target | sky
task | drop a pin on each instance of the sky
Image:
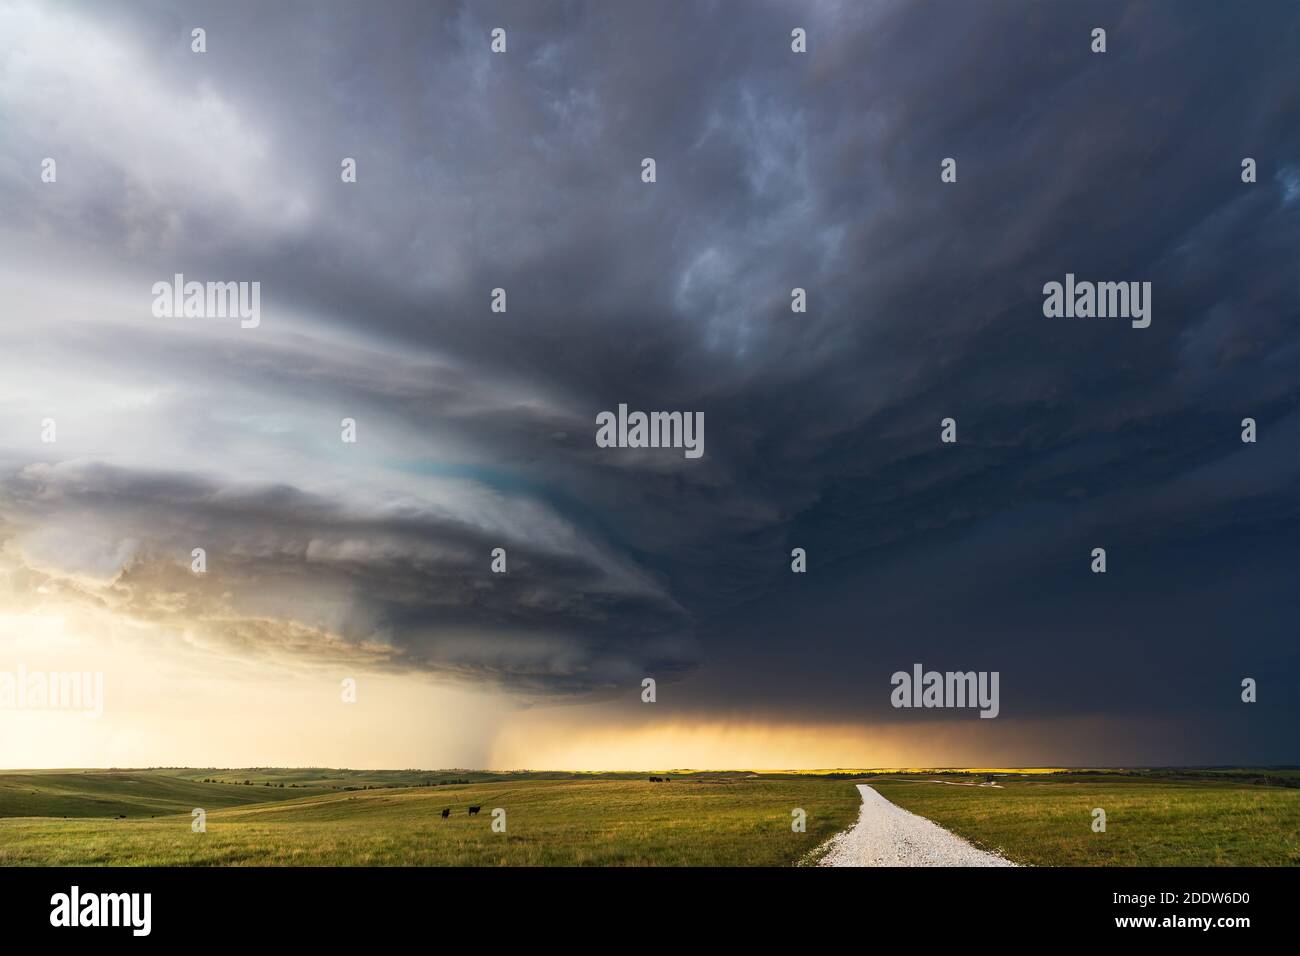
(367, 564)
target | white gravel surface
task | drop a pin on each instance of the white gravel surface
(887, 835)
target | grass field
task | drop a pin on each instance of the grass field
(727, 820)
(339, 817)
(133, 794)
(1047, 821)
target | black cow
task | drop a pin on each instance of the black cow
(446, 813)
(474, 810)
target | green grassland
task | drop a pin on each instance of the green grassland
(316, 816)
(1178, 819)
(695, 820)
(108, 793)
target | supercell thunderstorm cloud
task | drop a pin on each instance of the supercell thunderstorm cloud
(437, 336)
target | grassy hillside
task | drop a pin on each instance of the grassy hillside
(1208, 820)
(698, 821)
(333, 779)
(316, 816)
(107, 793)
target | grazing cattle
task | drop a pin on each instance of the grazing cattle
(474, 810)
(446, 813)
(656, 780)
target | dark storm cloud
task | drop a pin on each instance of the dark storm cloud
(775, 170)
(279, 562)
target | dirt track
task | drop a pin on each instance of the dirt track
(888, 835)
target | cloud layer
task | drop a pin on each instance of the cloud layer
(775, 171)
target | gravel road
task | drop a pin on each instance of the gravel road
(887, 835)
